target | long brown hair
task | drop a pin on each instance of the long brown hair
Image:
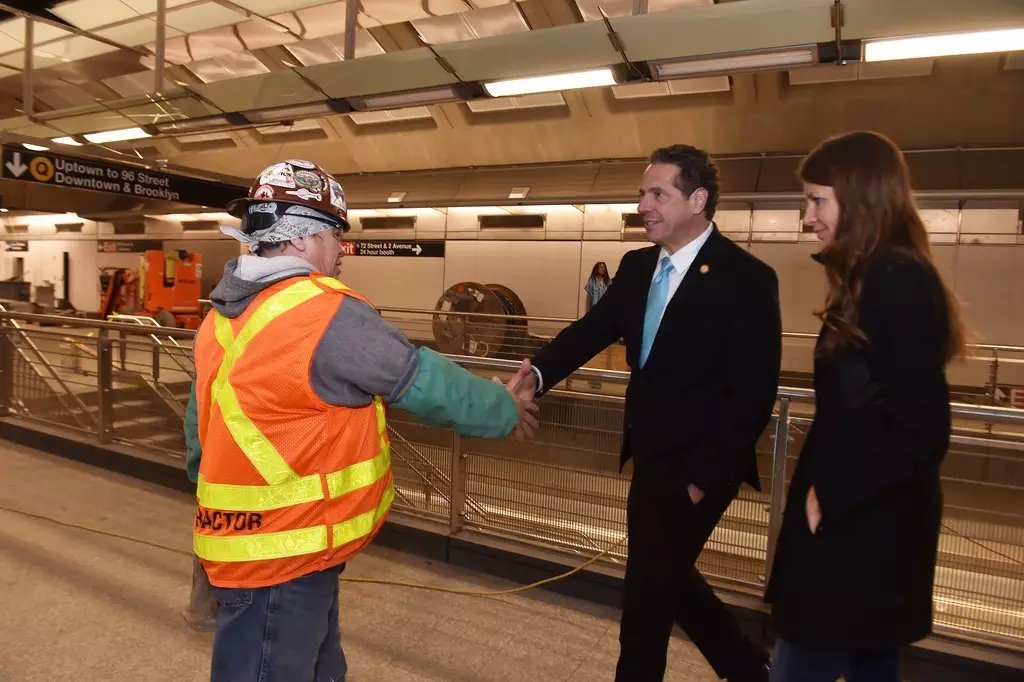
(877, 212)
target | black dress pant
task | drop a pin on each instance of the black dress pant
(666, 535)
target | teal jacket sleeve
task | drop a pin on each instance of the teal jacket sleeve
(444, 394)
(193, 450)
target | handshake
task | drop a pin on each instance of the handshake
(523, 387)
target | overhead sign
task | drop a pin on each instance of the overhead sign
(411, 249)
(101, 176)
(129, 245)
(15, 245)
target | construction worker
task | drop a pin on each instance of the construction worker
(293, 370)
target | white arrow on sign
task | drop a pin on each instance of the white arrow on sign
(16, 167)
(418, 249)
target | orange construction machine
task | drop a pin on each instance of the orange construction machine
(165, 287)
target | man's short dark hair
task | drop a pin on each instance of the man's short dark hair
(696, 169)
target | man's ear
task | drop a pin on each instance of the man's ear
(299, 244)
(699, 199)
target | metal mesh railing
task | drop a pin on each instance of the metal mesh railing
(562, 490)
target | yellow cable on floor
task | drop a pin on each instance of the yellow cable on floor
(373, 581)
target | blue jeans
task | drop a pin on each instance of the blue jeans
(283, 633)
(795, 663)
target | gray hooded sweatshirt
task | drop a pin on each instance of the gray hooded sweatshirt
(361, 355)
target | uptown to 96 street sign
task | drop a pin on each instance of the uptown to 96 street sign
(80, 173)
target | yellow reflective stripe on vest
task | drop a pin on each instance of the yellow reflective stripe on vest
(229, 497)
(362, 525)
(261, 546)
(260, 451)
(359, 475)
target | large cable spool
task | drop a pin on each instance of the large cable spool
(516, 330)
(478, 334)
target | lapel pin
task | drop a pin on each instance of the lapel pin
(704, 269)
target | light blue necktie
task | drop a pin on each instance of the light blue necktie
(655, 304)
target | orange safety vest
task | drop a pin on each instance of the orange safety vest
(288, 484)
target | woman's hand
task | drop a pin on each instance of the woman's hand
(813, 511)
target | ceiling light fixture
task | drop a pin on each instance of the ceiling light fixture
(396, 197)
(518, 192)
(34, 147)
(117, 135)
(412, 98)
(917, 47)
(67, 140)
(298, 111)
(724, 65)
(557, 82)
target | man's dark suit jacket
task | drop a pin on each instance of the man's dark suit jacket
(696, 409)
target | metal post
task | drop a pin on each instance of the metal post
(457, 514)
(161, 39)
(104, 377)
(28, 94)
(6, 371)
(779, 451)
(122, 352)
(993, 377)
(156, 362)
(351, 26)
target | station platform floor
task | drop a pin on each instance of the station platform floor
(85, 606)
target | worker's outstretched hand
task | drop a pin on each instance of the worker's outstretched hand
(523, 387)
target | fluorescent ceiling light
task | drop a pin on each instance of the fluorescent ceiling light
(396, 197)
(34, 147)
(518, 192)
(193, 124)
(557, 82)
(981, 42)
(413, 98)
(117, 135)
(67, 140)
(289, 113)
(733, 63)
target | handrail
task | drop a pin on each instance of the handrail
(176, 332)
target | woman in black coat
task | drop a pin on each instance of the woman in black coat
(855, 562)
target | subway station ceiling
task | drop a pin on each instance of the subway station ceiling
(249, 82)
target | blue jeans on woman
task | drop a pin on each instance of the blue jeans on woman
(283, 633)
(795, 663)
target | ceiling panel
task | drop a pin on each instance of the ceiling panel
(257, 33)
(149, 6)
(405, 70)
(268, 7)
(202, 16)
(618, 179)
(163, 112)
(91, 123)
(41, 33)
(90, 14)
(133, 33)
(280, 88)
(322, 20)
(591, 9)
(384, 12)
(220, 69)
(503, 19)
(553, 50)
(555, 182)
(730, 27)
(73, 49)
(332, 49)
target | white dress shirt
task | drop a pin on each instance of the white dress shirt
(681, 262)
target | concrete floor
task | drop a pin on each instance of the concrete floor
(77, 605)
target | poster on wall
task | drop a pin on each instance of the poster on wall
(114, 178)
(129, 245)
(15, 245)
(399, 249)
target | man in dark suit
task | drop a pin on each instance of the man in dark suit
(700, 318)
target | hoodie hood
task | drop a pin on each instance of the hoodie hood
(246, 276)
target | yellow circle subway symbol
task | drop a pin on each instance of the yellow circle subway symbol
(41, 169)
